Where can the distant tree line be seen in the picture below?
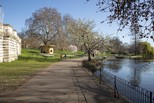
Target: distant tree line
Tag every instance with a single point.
(48, 27)
(145, 49)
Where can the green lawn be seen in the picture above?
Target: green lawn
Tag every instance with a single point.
(15, 73)
(70, 54)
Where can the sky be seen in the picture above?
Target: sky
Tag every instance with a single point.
(17, 11)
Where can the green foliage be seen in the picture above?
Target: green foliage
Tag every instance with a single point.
(70, 54)
(34, 55)
(147, 50)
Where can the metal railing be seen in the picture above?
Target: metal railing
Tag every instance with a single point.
(122, 87)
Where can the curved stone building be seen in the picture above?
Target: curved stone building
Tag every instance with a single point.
(10, 43)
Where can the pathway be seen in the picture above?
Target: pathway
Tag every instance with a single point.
(62, 82)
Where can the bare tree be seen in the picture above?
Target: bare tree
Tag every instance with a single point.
(116, 45)
(62, 41)
(92, 41)
(138, 15)
(81, 32)
(29, 39)
(69, 28)
(62, 38)
(23, 37)
(45, 22)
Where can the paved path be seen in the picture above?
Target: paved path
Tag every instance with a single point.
(62, 82)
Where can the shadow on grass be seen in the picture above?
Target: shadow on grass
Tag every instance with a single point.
(38, 58)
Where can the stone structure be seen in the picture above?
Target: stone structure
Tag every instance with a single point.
(48, 49)
(10, 43)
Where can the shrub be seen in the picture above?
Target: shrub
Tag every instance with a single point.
(90, 66)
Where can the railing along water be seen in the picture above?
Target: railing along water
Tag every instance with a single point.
(134, 94)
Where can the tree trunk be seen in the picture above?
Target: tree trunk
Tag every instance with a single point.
(89, 57)
(45, 43)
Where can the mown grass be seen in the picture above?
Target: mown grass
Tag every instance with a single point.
(70, 54)
(15, 73)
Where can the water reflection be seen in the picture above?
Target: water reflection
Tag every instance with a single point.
(114, 65)
(135, 78)
(138, 72)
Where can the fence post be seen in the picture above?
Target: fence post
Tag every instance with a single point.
(100, 76)
(115, 87)
(150, 97)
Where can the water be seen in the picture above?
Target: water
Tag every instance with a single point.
(137, 71)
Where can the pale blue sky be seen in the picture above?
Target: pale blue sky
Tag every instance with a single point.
(17, 11)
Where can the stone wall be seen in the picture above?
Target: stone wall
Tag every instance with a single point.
(10, 44)
(1, 48)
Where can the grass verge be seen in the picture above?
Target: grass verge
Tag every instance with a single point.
(14, 74)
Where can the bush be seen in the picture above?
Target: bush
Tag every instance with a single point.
(90, 66)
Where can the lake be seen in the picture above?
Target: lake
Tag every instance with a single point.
(132, 70)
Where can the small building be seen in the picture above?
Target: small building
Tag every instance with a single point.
(48, 49)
